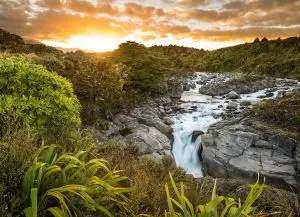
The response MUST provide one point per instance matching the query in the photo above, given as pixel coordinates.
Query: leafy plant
(37, 97)
(219, 206)
(65, 185)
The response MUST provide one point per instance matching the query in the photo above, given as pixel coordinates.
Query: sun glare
(90, 43)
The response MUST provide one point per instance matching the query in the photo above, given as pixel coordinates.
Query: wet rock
(193, 85)
(269, 94)
(196, 134)
(186, 87)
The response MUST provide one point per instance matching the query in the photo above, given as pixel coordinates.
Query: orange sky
(100, 25)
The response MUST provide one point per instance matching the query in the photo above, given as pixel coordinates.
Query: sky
(101, 25)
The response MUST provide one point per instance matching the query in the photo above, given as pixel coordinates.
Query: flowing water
(201, 112)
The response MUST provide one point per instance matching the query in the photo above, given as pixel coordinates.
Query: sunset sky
(100, 25)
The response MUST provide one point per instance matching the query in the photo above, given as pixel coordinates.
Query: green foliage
(215, 207)
(37, 97)
(66, 185)
(147, 71)
(17, 147)
(283, 112)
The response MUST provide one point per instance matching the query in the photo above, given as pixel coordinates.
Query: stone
(263, 144)
(196, 134)
(233, 95)
(269, 94)
(235, 150)
(232, 106)
(149, 140)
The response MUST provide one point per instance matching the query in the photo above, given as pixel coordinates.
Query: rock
(186, 87)
(193, 85)
(263, 144)
(149, 140)
(269, 94)
(233, 95)
(125, 122)
(201, 82)
(168, 121)
(196, 134)
(235, 150)
(232, 106)
(220, 106)
(245, 103)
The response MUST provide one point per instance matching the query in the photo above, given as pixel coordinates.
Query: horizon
(101, 25)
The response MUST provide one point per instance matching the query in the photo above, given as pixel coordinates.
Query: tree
(146, 71)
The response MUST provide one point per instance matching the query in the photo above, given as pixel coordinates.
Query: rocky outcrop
(239, 85)
(144, 126)
(235, 149)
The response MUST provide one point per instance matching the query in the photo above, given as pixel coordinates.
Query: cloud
(190, 3)
(58, 20)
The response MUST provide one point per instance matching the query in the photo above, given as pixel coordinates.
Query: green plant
(215, 207)
(17, 146)
(69, 184)
(41, 99)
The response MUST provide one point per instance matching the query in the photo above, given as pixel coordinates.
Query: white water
(185, 152)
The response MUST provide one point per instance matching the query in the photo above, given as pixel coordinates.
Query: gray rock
(149, 140)
(263, 144)
(232, 149)
(232, 106)
(233, 95)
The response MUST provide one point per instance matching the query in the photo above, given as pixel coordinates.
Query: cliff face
(236, 149)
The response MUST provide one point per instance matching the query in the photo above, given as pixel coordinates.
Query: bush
(43, 100)
(17, 148)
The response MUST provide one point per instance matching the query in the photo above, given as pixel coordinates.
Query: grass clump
(71, 184)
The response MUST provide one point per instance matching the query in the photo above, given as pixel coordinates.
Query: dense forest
(49, 164)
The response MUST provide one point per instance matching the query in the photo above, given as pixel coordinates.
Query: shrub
(37, 97)
(17, 148)
(70, 185)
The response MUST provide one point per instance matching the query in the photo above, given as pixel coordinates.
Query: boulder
(196, 134)
(232, 106)
(233, 95)
(149, 140)
(235, 150)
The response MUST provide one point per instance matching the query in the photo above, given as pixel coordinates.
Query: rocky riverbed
(201, 124)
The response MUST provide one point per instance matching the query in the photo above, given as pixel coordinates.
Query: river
(201, 111)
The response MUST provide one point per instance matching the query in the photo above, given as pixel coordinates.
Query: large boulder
(240, 151)
(150, 141)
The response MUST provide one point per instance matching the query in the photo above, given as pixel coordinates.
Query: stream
(201, 111)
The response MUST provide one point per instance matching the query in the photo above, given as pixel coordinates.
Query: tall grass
(219, 206)
(67, 184)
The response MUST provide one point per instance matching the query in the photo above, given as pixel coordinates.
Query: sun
(88, 43)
